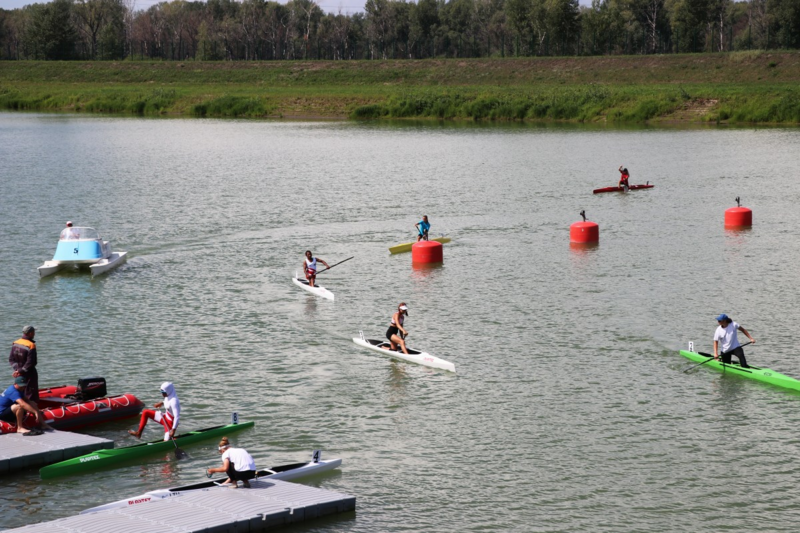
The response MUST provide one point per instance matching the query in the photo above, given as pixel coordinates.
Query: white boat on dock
(413, 356)
(284, 473)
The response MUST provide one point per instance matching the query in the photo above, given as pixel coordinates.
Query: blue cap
(721, 317)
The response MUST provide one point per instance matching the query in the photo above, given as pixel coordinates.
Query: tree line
(391, 29)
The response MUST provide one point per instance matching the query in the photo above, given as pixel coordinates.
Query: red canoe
(69, 407)
(620, 189)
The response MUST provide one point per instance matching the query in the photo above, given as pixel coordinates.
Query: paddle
(179, 454)
(330, 267)
(710, 357)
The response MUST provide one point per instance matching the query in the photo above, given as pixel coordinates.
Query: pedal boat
(82, 247)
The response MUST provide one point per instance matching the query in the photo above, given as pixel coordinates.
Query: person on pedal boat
(169, 419)
(396, 333)
(423, 227)
(623, 179)
(237, 464)
(728, 338)
(310, 267)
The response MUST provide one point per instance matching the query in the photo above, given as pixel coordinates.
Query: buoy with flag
(585, 232)
(738, 217)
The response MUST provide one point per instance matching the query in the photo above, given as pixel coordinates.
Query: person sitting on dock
(169, 419)
(13, 408)
(23, 360)
(623, 179)
(726, 333)
(396, 334)
(310, 267)
(423, 227)
(237, 464)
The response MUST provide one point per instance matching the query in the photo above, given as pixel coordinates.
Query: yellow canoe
(406, 247)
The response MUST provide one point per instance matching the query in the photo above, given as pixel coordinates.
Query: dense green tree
(50, 33)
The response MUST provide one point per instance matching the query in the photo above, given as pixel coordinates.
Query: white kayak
(285, 472)
(316, 290)
(413, 356)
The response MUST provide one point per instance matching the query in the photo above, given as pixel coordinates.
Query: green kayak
(765, 375)
(103, 458)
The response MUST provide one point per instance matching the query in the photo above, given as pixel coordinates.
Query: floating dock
(266, 506)
(18, 451)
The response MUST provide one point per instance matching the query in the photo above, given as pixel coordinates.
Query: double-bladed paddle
(330, 267)
(710, 357)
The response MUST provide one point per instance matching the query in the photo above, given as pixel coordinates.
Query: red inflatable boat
(71, 407)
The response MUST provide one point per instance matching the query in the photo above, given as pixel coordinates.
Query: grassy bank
(746, 87)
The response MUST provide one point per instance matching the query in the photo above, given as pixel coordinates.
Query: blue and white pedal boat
(80, 248)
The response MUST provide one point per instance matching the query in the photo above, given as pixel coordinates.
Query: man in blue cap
(726, 334)
(13, 408)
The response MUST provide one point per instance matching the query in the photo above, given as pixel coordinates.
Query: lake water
(569, 411)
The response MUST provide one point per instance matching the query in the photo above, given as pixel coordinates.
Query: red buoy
(426, 252)
(738, 216)
(584, 232)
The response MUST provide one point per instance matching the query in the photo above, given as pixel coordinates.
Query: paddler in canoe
(623, 178)
(727, 336)
(310, 267)
(396, 334)
(169, 419)
(423, 228)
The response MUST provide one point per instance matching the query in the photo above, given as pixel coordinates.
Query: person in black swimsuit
(396, 333)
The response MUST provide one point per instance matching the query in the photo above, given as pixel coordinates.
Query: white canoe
(285, 472)
(316, 290)
(413, 356)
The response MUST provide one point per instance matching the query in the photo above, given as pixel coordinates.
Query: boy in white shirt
(727, 336)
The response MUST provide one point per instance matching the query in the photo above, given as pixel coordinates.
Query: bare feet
(23, 430)
(134, 433)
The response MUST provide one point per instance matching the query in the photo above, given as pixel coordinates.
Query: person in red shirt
(623, 179)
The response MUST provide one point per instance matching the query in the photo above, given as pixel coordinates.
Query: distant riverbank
(740, 87)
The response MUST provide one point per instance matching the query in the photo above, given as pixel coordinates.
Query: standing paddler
(623, 178)
(310, 267)
(423, 227)
(726, 334)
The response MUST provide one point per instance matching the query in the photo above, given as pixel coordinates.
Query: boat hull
(114, 456)
(317, 290)
(413, 356)
(764, 375)
(285, 473)
(406, 246)
(622, 189)
(111, 262)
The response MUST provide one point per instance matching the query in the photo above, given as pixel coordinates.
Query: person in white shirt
(310, 267)
(169, 418)
(237, 464)
(726, 337)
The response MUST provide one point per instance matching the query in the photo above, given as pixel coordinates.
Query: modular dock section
(268, 505)
(18, 451)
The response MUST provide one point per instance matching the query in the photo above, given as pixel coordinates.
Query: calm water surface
(569, 411)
